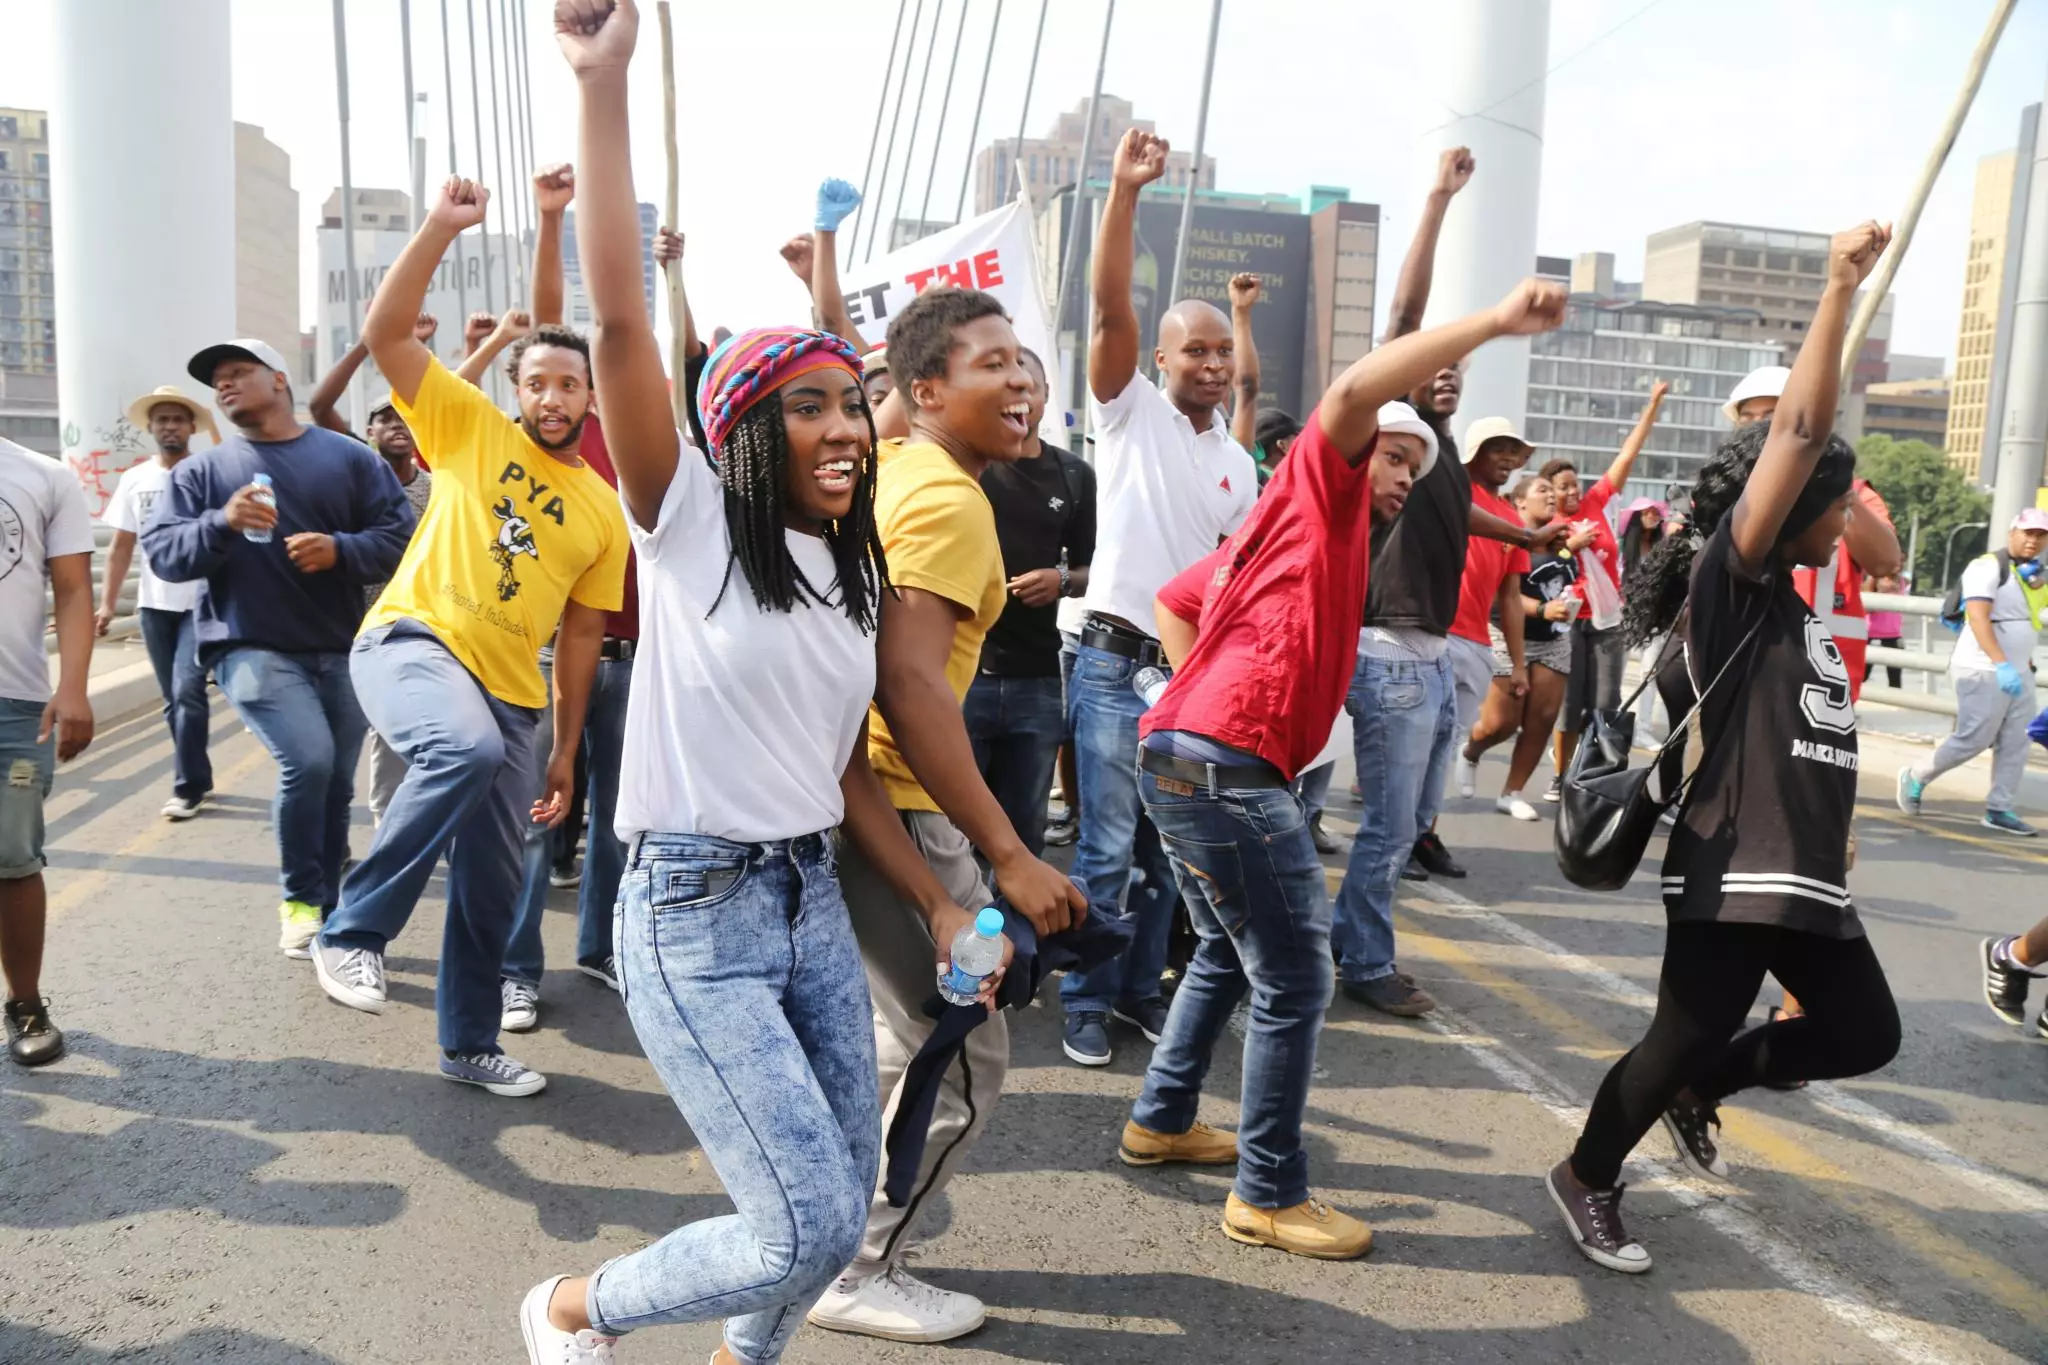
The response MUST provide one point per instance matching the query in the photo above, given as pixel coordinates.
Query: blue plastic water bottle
(977, 952)
(265, 496)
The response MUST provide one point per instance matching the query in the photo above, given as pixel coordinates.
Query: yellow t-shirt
(939, 534)
(510, 534)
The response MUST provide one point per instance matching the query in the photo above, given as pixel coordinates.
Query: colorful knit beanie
(751, 365)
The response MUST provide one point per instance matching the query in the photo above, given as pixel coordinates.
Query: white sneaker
(521, 1006)
(182, 808)
(1511, 803)
(897, 1306)
(547, 1344)
(1468, 776)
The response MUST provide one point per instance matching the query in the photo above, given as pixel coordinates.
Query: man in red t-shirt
(1251, 705)
(1492, 586)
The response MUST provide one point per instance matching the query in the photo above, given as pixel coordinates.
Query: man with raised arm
(1173, 484)
(521, 536)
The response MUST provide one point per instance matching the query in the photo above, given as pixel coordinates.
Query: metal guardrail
(1929, 660)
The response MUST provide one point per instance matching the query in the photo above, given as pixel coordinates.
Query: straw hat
(139, 410)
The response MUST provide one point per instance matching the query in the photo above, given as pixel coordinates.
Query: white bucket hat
(1768, 382)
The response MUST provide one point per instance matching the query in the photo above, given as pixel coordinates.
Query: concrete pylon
(142, 208)
(1487, 62)
(2024, 431)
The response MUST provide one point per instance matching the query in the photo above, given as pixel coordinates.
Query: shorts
(1599, 658)
(1555, 655)
(26, 770)
(1471, 676)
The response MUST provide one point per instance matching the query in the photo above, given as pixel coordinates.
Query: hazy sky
(1806, 114)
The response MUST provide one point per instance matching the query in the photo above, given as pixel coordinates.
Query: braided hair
(1657, 585)
(753, 468)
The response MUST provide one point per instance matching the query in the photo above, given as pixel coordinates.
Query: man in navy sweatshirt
(283, 599)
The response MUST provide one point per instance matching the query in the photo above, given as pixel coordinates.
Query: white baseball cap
(1768, 382)
(1400, 417)
(1492, 429)
(202, 365)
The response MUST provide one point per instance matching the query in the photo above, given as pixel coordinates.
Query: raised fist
(797, 251)
(554, 187)
(1852, 255)
(516, 323)
(1244, 289)
(460, 204)
(836, 199)
(1140, 159)
(479, 326)
(1453, 170)
(596, 35)
(1534, 306)
(423, 328)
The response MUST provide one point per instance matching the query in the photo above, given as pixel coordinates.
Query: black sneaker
(1325, 841)
(1087, 1038)
(1414, 871)
(1435, 858)
(1059, 833)
(32, 1040)
(1687, 1121)
(2005, 987)
(1397, 995)
(1594, 1219)
(1554, 793)
(1146, 1016)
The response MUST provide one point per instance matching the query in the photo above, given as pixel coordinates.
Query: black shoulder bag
(1605, 813)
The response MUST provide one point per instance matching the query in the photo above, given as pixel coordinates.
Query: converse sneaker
(605, 969)
(493, 1071)
(547, 1344)
(1594, 1219)
(182, 807)
(350, 976)
(32, 1040)
(896, 1306)
(562, 876)
(2005, 983)
(520, 1006)
(1687, 1121)
(297, 925)
(1554, 793)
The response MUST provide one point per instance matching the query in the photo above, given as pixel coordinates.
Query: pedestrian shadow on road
(21, 1344)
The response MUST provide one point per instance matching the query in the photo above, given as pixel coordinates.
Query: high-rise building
(384, 210)
(1984, 268)
(577, 306)
(28, 292)
(1903, 409)
(1047, 163)
(266, 241)
(1343, 287)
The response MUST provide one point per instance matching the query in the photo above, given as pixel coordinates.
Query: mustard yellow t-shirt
(939, 534)
(510, 534)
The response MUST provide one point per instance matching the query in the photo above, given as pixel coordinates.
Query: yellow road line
(2008, 846)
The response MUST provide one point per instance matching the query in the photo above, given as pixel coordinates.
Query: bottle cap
(260, 480)
(989, 923)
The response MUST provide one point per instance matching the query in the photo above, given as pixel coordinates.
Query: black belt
(1097, 633)
(1208, 776)
(618, 649)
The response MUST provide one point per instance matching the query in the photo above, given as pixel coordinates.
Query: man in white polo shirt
(1171, 484)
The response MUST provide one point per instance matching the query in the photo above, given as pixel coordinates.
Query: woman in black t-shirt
(1755, 875)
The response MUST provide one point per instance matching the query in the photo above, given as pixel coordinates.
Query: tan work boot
(1310, 1229)
(1200, 1145)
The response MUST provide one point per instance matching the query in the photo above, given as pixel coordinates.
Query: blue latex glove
(836, 199)
(2011, 681)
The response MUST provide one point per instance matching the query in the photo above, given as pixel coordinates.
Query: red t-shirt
(1487, 562)
(1605, 548)
(1279, 607)
(623, 624)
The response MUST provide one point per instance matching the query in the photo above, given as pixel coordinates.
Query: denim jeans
(604, 740)
(467, 792)
(173, 645)
(1404, 723)
(27, 767)
(1255, 892)
(302, 707)
(1313, 787)
(1016, 725)
(1117, 857)
(740, 973)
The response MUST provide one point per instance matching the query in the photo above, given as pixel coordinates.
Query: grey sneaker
(1594, 1220)
(493, 1071)
(520, 1006)
(1397, 995)
(350, 976)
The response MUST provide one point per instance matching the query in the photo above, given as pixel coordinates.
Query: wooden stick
(678, 381)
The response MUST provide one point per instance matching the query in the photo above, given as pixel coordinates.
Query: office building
(1343, 287)
(1903, 409)
(266, 241)
(1899, 367)
(381, 210)
(28, 292)
(1589, 379)
(577, 305)
(1984, 268)
(1049, 163)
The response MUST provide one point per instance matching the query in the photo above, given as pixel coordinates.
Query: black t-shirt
(1764, 834)
(1550, 576)
(1042, 506)
(1419, 560)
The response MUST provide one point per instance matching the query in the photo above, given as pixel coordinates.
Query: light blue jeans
(27, 766)
(740, 973)
(1117, 857)
(1404, 718)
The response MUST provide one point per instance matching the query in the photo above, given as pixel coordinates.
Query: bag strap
(1682, 728)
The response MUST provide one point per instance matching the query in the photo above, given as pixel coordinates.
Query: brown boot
(1200, 1145)
(1311, 1228)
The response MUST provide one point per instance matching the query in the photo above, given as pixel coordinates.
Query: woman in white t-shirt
(760, 583)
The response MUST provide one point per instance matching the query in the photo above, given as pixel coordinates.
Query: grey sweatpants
(902, 971)
(1986, 719)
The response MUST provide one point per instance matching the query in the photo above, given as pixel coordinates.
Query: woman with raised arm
(1756, 873)
(760, 579)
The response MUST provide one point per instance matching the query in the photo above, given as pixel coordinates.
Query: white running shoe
(1468, 775)
(1511, 803)
(897, 1306)
(182, 808)
(547, 1344)
(520, 1012)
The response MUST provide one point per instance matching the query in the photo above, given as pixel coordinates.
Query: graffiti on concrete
(99, 465)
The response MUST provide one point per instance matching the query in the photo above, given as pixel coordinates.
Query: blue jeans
(604, 741)
(302, 707)
(27, 767)
(745, 987)
(1255, 892)
(173, 646)
(1404, 719)
(468, 790)
(1117, 857)
(1016, 725)
(1313, 787)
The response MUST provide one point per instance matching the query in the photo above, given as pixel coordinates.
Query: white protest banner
(993, 253)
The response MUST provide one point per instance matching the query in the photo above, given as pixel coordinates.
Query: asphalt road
(230, 1168)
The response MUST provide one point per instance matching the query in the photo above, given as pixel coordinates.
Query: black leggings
(1710, 977)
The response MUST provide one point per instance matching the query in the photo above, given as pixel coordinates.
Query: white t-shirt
(1165, 495)
(42, 516)
(133, 504)
(738, 725)
(2011, 619)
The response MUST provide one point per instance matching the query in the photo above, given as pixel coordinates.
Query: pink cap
(2031, 519)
